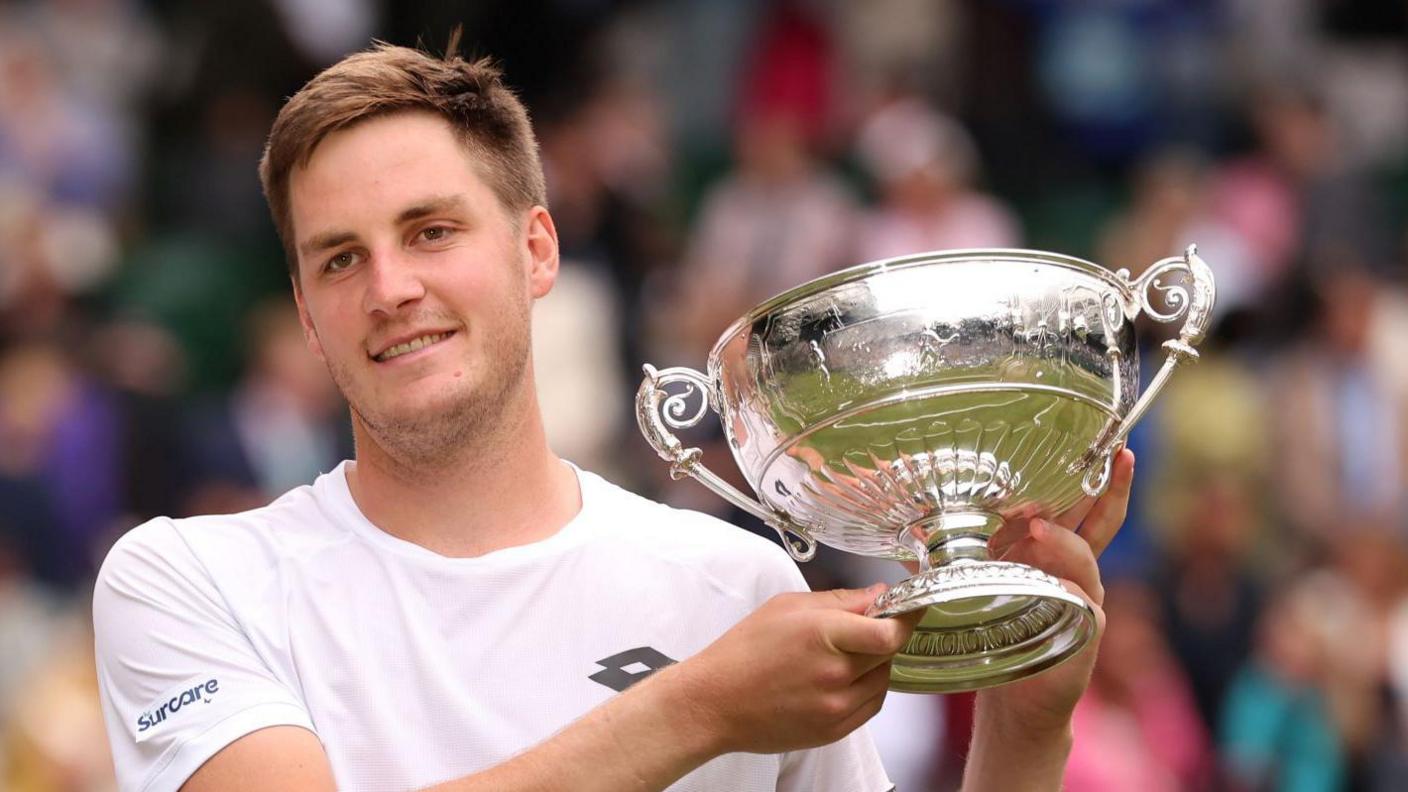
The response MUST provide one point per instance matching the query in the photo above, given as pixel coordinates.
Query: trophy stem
(950, 538)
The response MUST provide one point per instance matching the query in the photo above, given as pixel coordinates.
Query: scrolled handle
(658, 412)
(1193, 302)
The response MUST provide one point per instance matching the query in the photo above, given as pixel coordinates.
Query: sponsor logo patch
(188, 695)
(621, 670)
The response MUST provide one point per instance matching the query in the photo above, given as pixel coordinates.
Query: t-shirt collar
(332, 492)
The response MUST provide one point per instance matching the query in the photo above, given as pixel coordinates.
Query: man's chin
(415, 407)
(433, 409)
(439, 410)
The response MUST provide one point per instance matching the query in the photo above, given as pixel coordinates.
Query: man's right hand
(803, 670)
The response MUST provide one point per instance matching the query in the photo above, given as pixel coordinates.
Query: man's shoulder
(291, 525)
(683, 534)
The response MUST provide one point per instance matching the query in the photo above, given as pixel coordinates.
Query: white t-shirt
(414, 668)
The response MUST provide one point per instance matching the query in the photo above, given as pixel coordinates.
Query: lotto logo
(620, 671)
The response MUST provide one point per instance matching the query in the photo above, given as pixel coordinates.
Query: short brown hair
(488, 118)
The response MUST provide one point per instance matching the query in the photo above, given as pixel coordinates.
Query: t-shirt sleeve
(178, 676)
(849, 765)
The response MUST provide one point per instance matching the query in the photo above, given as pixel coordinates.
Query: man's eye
(435, 233)
(340, 262)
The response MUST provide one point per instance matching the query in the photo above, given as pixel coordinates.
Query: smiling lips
(407, 347)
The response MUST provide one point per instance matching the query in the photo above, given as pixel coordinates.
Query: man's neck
(500, 492)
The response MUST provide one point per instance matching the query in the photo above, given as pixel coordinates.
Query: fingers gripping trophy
(909, 408)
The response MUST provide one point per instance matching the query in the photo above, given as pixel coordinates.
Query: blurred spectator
(1295, 199)
(60, 445)
(325, 30)
(607, 164)
(576, 365)
(1210, 598)
(197, 290)
(1124, 76)
(109, 52)
(781, 216)
(146, 369)
(56, 739)
(1170, 210)
(779, 219)
(791, 70)
(1393, 762)
(1212, 423)
(1372, 565)
(49, 253)
(1206, 505)
(1137, 726)
(1364, 67)
(29, 613)
(206, 183)
(925, 166)
(1284, 32)
(69, 150)
(1339, 417)
(918, 43)
(1277, 731)
(281, 426)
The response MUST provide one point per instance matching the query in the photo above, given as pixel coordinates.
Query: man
(457, 606)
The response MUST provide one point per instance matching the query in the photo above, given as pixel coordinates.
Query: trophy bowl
(907, 408)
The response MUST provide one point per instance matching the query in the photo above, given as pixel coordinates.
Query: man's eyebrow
(325, 241)
(429, 207)
(332, 239)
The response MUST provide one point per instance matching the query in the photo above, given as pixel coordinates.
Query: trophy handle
(658, 412)
(1193, 302)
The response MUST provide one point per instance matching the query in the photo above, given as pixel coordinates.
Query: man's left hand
(1067, 548)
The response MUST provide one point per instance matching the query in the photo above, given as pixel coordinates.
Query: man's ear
(310, 333)
(540, 237)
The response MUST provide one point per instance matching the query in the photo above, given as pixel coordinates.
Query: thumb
(852, 600)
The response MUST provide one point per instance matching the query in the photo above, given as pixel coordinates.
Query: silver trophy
(906, 408)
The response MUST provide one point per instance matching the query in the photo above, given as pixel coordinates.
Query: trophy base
(987, 623)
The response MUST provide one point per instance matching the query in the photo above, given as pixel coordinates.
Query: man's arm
(277, 757)
(637, 740)
(801, 671)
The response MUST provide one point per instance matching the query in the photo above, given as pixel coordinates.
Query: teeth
(411, 346)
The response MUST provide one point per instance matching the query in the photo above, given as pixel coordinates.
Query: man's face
(415, 283)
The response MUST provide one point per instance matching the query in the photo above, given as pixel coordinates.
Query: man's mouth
(413, 345)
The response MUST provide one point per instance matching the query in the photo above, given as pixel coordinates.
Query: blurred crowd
(703, 155)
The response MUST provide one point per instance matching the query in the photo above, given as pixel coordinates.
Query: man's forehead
(386, 170)
(426, 127)
(420, 148)
(391, 195)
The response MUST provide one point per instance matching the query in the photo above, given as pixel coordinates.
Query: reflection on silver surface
(906, 408)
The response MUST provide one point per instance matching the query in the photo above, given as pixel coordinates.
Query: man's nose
(393, 283)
